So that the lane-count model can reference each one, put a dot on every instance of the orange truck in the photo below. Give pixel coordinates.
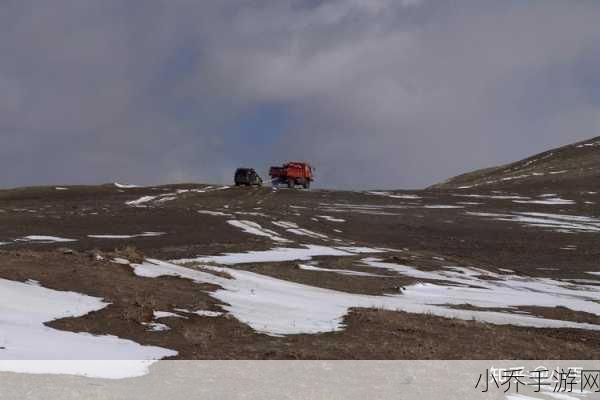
(292, 174)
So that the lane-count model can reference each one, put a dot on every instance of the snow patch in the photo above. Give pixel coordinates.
(255, 229)
(485, 289)
(125, 186)
(442, 206)
(349, 272)
(330, 218)
(396, 196)
(558, 222)
(201, 313)
(145, 201)
(547, 200)
(142, 201)
(44, 239)
(156, 327)
(215, 213)
(306, 232)
(145, 234)
(279, 254)
(495, 197)
(277, 307)
(23, 336)
(296, 230)
(166, 314)
(285, 224)
(589, 144)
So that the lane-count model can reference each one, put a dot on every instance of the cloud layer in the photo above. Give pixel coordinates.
(375, 93)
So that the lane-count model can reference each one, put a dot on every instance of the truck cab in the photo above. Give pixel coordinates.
(292, 174)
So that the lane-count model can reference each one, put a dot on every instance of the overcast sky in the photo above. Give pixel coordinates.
(375, 93)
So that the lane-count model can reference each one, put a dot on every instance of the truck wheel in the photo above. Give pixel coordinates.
(306, 185)
(291, 183)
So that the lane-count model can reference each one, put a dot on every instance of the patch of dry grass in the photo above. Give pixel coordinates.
(130, 253)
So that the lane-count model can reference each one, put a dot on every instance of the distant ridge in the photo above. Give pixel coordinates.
(569, 167)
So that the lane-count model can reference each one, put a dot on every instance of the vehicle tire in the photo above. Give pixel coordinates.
(306, 184)
(290, 183)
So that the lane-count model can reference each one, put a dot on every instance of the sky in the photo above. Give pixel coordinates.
(374, 93)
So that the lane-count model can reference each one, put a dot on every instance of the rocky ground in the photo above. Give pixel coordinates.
(496, 264)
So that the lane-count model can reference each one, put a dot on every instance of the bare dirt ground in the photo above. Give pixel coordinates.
(503, 229)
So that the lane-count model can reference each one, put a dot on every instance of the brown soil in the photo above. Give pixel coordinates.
(427, 238)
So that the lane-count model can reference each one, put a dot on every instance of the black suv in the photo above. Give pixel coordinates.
(247, 177)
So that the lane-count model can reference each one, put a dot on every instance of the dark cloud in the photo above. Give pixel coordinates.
(376, 93)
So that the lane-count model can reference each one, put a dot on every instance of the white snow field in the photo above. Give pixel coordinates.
(486, 289)
(24, 308)
(277, 307)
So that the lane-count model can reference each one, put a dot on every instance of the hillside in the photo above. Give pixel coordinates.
(569, 167)
(200, 271)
